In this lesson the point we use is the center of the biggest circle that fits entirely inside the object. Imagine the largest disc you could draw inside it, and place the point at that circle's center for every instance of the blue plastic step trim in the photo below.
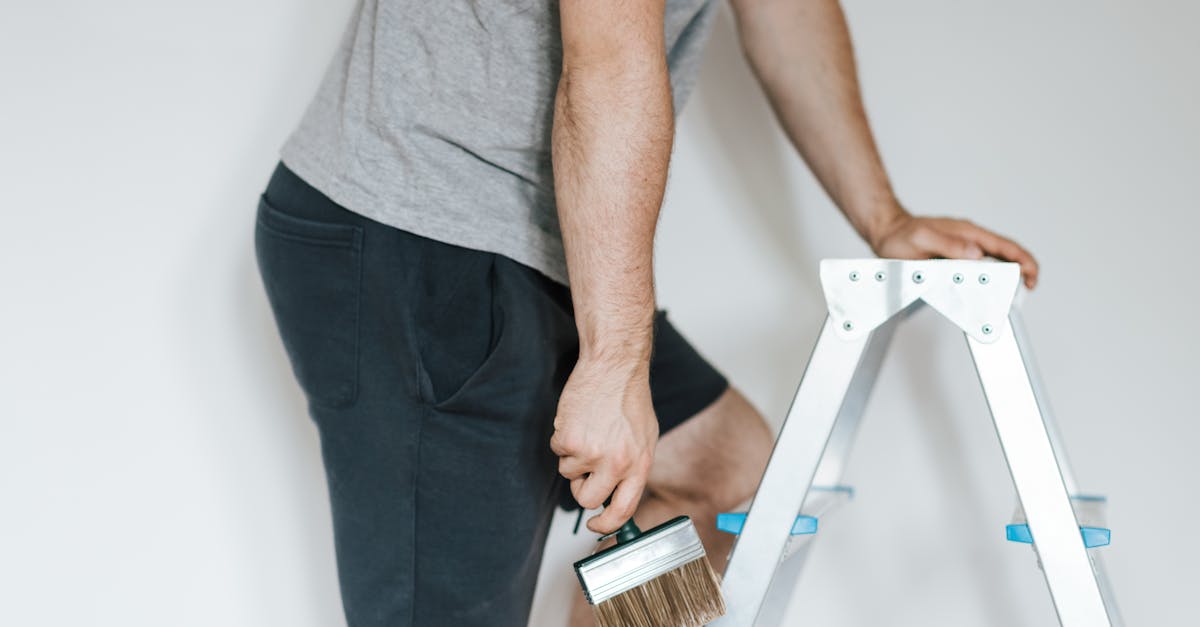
(1092, 536)
(732, 522)
(847, 490)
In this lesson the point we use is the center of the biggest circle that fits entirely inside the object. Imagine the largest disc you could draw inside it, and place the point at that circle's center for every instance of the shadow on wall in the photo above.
(266, 454)
(266, 451)
(739, 133)
(736, 144)
(263, 451)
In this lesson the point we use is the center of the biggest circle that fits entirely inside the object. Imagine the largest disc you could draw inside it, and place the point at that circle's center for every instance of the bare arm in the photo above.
(801, 52)
(613, 128)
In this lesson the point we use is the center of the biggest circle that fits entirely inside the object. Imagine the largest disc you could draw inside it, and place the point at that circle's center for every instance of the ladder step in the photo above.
(823, 499)
(820, 501)
(1092, 536)
(732, 522)
(1089, 513)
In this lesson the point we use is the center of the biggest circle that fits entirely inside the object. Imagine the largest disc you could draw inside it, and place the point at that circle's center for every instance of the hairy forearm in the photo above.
(612, 134)
(801, 52)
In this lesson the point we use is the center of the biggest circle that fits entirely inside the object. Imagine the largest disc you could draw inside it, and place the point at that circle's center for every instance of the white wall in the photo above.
(155, 465)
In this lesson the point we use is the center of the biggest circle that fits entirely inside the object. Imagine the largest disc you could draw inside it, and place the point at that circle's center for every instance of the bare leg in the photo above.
(710, 464)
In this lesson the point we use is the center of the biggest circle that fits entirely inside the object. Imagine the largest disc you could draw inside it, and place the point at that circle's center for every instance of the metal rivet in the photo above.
(957, 278)
(854, 275)
(983, 278)
(847, 325)
(880, 276)
(918, 277)
(987, 329)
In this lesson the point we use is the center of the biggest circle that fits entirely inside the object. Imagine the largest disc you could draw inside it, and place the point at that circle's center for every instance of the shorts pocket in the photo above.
(466, 387)
(517, 377)
(312, 272)
(459, 322)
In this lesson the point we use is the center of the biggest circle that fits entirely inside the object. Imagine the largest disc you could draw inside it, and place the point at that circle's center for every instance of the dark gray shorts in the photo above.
(433, 373)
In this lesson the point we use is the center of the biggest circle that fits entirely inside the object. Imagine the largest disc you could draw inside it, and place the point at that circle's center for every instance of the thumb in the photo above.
(620, 508)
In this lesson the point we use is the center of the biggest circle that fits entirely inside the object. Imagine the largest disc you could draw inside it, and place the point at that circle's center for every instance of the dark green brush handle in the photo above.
(628, 531)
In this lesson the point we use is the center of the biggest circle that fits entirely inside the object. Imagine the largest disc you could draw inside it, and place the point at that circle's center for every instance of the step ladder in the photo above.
(866, 300)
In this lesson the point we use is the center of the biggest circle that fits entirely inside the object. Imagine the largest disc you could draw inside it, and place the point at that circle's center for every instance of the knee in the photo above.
(717, 465)
(742, 469)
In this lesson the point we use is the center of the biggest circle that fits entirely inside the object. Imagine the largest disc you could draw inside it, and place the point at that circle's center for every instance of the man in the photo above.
(462, 163)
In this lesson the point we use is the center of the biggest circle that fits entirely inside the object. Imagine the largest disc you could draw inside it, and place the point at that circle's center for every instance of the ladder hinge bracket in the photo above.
(864, 293)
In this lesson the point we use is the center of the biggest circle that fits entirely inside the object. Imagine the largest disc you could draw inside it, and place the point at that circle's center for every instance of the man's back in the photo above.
(434, 117)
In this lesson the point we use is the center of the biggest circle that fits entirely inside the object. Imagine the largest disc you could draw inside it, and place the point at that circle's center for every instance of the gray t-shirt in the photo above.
(434, 117)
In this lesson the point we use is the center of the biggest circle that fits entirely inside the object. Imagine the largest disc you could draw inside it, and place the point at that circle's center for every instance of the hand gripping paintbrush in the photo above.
(659, 578)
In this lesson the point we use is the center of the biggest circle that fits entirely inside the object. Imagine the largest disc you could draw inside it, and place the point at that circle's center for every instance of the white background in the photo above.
(156, 467)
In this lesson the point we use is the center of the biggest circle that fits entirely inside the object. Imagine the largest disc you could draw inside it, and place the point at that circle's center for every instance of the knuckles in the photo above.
(567, 443)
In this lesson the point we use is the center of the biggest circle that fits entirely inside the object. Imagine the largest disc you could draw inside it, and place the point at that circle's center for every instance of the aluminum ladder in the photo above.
(866, 300)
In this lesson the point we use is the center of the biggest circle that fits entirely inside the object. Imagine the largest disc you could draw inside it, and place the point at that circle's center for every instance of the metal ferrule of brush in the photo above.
(626, 566)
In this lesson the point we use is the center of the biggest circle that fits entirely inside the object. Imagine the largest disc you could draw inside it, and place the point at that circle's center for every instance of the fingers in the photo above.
(592, 490)
(572, 467)
(961, 239)
(956, 239)
(936, 242)
(620, 509)
(1003, 248)
(558, 445)
(620, 485)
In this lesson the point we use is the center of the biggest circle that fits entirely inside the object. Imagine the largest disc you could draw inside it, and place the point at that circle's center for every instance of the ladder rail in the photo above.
(783, 584)
(831, 469)
(789, 474)
(1038, 479)
(1017, 322)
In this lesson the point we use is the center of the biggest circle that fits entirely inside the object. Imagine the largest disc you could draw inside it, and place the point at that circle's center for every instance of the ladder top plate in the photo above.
(976, 296)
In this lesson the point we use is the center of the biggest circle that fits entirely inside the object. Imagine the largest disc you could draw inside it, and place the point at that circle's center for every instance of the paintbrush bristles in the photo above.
(688, 596)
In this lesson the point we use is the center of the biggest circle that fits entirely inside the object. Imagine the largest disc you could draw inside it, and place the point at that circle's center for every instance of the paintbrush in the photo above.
(659, 578)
